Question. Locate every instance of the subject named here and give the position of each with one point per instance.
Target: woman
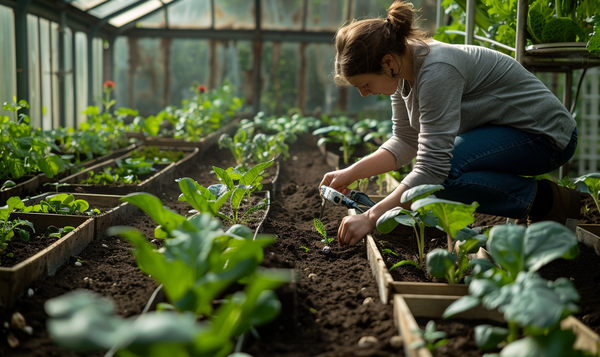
(474, 118)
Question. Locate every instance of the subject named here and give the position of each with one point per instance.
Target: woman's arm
(379, 162)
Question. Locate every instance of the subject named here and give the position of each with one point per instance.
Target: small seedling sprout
(319, 227)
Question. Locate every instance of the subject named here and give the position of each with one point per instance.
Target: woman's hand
(338, 180)
(354, 228)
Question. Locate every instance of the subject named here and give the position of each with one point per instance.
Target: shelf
(560, 58)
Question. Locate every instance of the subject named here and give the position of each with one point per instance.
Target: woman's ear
(388, 62)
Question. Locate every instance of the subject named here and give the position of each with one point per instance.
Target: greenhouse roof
(278, 20)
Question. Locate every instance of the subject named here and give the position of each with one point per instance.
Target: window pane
(282, 14)
(68, 78)
(110, 7)
(234, 14)
(8, 76)
(33, 59)
(81, 73)
(46, 58)
(190, 14)
(54, 71)
(86, 4)
(326, 15)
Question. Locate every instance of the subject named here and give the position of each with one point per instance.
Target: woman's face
(374, 84)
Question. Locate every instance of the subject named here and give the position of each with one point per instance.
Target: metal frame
(79, 20)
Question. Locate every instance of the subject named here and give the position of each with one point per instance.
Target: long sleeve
(439, 95)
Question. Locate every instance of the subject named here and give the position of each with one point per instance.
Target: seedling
(403, 263)
(305, 249)
(418, 220)
(55, 232)
(57, 185)
(319, 227)
(431, 338)
(8, 184)
(8, 227)
(62, 203)
(388, 251)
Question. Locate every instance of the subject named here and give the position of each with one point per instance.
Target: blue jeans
(487, 165)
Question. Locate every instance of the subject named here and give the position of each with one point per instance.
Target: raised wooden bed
(408, 307)
(35, 184)
(119, 214)
(14, 280)
(203, 144)
(165, 176)
(332, 159)
(589, 234)
(29, 187)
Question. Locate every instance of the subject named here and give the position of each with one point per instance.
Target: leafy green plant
(566, 21)
(240, 145)
(590, 183)
(127, 171)
(431, 338)
(319, 228)
(386, 251)
(593, 45)
(304, 248)
(56, 232)
(62, 203)
(157, 154)
(526, 300)
(452, 265)
(9, 227)
(15, 107)
(418, 220)
(361, 184)
(25, 150)
(291, 126)
(339, 134)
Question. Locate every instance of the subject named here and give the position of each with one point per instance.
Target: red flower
(109, 85)
(201, 89)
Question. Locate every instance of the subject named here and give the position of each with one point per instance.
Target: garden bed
(163, 176)
(113, 211)
(44, 259)
(335, 307)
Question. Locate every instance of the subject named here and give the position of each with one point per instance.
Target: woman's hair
(361, 45)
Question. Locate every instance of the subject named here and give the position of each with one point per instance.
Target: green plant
(361, 184)
(339, 134)
(431, 338)
(8, 184)
(526, 300)
(127, 171)
(9, 227)
(562, 21)
(15, 106)
(452, 265)
(593, 45)
(388, 251)
(418, 220)
(590, 183)
(60, 204)
(319, 228)
(240, 145)
(403, 263)
(305, 249)
(24, 150)
(157, 155)
(56, 232)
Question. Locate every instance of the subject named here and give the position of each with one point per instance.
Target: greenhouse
(232, 178)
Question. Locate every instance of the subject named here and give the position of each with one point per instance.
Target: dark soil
(325, 312)
(22, 250)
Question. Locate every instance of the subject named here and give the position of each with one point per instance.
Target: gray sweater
(458, 88)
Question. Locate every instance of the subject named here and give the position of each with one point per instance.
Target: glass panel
(46, 59)
(81, 73)
(190, 14)
(121, 63)
(97, 49)
(156, 20)
(322, 93)
(8, 76)
(110, 7)
(68, 78)
(326, 15)
(282, 14)
(137, 12)
(53, 72)
(371, 9)
(33, 59)
(280, 84)
(234, 14)
(86, 4)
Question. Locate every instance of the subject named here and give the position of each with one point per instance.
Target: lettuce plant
(319, 228)
(526, 300)
(62, 203)
(431, 338)
(339, 134)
